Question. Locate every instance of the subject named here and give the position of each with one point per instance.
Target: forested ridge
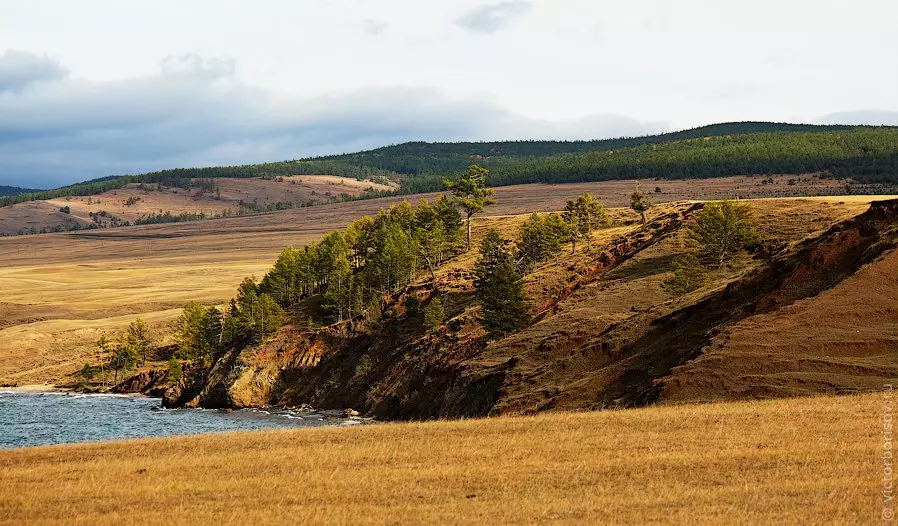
(14, 190)
(867, 154)
(420, 158)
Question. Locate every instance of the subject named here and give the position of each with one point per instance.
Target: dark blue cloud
(194, 112)
(19, 69)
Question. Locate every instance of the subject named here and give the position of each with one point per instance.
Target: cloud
(195, 112)
(490, 19)
(19, 69)
(374, 27)
(861, 117)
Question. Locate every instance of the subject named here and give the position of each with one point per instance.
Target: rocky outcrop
(150, 383)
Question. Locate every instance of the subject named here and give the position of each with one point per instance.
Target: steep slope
(604, 333)
(840, 341)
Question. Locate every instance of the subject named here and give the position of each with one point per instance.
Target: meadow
(793, 461)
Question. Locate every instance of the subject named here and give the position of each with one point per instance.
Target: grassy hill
(425, 158)
(603, 330)
(868, 154)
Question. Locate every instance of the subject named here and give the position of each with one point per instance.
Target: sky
(108, 87)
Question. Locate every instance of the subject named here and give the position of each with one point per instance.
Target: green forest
(14, 190)
(866, 154)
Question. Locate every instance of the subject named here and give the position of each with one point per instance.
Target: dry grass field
(133, 202)
(798, 461)
(60, 292)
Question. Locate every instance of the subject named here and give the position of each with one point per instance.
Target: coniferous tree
(471, 194)
(583, 215)
(640, 203)
(689, 275)
(499, 287)
(434, 314)
(540, 238)
(723, 228)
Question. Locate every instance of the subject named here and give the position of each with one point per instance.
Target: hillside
(604, 332)
(60, 292)
(798, 461)
(421, 158)
(148, 203)
(728, 149)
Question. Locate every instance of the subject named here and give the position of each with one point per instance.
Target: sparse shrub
(66, 210)
(413, 305)
(363, 366)
(88, 372)
(657, 189)
(434, 315)
(689, 275)
(174, 371)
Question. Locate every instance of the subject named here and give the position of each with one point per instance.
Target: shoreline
(35, 388)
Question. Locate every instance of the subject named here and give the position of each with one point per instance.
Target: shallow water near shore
(32, 419)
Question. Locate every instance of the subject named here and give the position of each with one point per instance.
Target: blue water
(54, 418)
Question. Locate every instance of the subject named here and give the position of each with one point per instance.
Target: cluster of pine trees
(353, 271)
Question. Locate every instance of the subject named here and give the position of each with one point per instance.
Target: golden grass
(58, 292)
(795, 461)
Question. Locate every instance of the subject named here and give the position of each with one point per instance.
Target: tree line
(867, 154)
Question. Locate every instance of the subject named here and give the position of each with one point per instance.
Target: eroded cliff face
(604, 338)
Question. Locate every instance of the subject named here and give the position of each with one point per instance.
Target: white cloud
(491, 18)
(195, 112)
(871, 117)
(281, 78)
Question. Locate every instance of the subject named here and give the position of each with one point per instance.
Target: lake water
(55, 418)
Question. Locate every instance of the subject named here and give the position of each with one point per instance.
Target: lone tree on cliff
(470, 193)
(723, 228)
(640, 203)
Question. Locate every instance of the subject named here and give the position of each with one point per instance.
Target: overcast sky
(101, 87)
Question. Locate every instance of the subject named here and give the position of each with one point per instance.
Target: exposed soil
(604, 332)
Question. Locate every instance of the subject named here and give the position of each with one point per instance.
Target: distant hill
(420, 158)
(14, 190)
(868, 154)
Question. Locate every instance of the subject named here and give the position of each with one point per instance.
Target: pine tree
(471, 194)
(640, 203)
(138, 338)
(722, 228)
(689, 275)
(434, 314)
(583, 215)
(499, 288)
(429, 237)
(540, 238)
